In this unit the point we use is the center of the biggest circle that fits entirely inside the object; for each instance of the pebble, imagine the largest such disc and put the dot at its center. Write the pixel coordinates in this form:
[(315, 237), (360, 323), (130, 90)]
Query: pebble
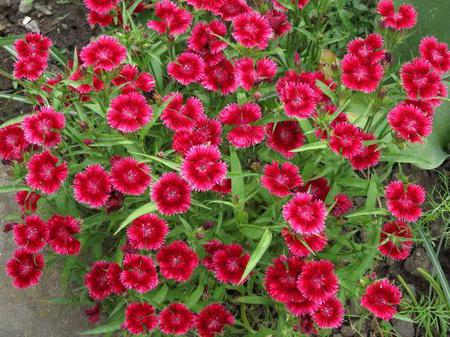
[(33, 26), (43, 9), (26, 20), (25, 6), (404, 328), (347, 331)]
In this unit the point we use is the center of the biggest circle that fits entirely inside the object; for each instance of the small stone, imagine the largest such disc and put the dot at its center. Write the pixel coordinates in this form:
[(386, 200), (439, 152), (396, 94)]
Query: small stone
[(347, 331), (43, 9), (64, 26), (25, 6), (404, 328), (26, 20), (2, 27), (33, 26)]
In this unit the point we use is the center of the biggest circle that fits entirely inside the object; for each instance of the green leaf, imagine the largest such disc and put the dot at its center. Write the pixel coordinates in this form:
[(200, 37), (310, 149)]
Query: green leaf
[(263, 300), (237, 181), (11, 188), (378, 211), (311, 146), (258, 253), (144, 209), (109, 327)]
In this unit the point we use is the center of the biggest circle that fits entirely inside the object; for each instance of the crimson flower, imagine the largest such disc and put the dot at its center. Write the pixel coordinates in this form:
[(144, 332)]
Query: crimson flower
[(132, 81), (103, 20), (44, 127), (300, 100), (346, 140), (12, 142), (395, 240), (250, 72), (61, 231), (139, 273), (204, 37), (410, 123), (44, 173), (211, 247), (303, 245), (382, 298), (187, 68), (360, 74), (173, 20), (32, 234), (281, 180), (252, 30), (147, 232), (25, 268), (279, 22), (129, 176), (101, 6), (176, 319), (177, 261), (319, 188), (140, 318), (220, 76), (369, 156), (105, 53), (436, 53), (301, 305), (284, 137), (420, 80), (330, 314), (370, 49), (404, 202), (228, 10), (97, 282), (182, 117), (212, 320), (92, 186), (229, 263), (404, 18), (246, 136), (34, 44), (30, 67), (27, 201), (343, 204), (318, 281), (171, 194)]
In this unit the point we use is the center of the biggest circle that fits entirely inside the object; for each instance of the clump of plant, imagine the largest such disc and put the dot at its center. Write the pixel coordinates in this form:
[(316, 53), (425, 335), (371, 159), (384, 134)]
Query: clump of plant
[(197, 174)]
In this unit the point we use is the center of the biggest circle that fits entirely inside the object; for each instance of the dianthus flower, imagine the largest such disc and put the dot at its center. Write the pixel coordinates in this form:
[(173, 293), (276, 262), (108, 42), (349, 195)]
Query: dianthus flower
[(319, 188), (34, 44), (103, 20), (318, 281), (27, 201), (177, 261), (105, 53), (12, 142), (405, 18), (182, 117), (281, 180), (25, 268), (130, 176), (97, 282), (229, 263), (330, 314), (129, 112), (44, 173), (382, 298), (171, 194), (343, 204), (299, 100), (44, 127), (132, 80), (30, 67), (250, 72), (228, 10), (147, 232), (240, 114), (246, 135), (32, 234), (204, 37), (369, 156), (139, 273), (420, 80), (410, 123), (404, 202), (173, 20), (212, 320), (303, 245), (369, 49), (346, 140), (140, 318), (211, 247), (252, 30), (279, 22), (101, 6), (92, 186), (209, 5), (436, 53), (61, 231), (284, 137), (395, 240), (187, 68), (113, 275), (93, 313), (176, 319), (223, 187), (220, 76), (360, 74)]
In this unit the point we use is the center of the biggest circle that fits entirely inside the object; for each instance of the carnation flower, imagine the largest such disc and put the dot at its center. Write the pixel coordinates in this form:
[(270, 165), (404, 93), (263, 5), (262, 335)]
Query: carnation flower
[(27, 201), (182, 117), (132, 81), (279, 22), (420, 80), (203, 167), (30, 67), (176, 319), (306, 325), (129, 112), (61, 231), (223, 187), (240, 114), (171, 194), (382, 298), (173, 20), (404, 202), (330, 314), (281, 279), (113, 275), (44, 173), (220, 76), (284, 137), (25, 268), (44, 128), (101, 6), (368, 157), (209, 5), (346, 140), (301, 305), (32, 234), (211, 247), (34, 44), (96, 281), (212, 320), (319, 188), (252, 30), (93, 313), (281, 180), (246, 136), (147, 232), (229, 263), (105, 53), (304, 214), (343, 204), (250, 73), (12, 142), (395, 240), (360, 74), (177, 261), (204, 37), (103, 20), (299, 100), (92, 186), (139, 273), (187, 68), (405, 18), (318, 281), (140, 318), (410, 123), (303, 245), (436, 53), (130, 176), (369, 49)]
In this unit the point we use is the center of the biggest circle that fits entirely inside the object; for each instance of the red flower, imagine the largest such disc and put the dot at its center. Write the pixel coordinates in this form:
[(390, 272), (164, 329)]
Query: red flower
[(114, 202), (223, 187), (203, 167), (44, 127), (132, 81), (346, 140), (130, 176), (92, 186), (93, 313), (436, 53), (147, 232), (284, 137), (211, 247), (420, 80), (101, 6), (404, 202), (360, 74), (278, 22), (252, 30), (129, 112), (381, 298), (246, 136), (281, 278), (61, 231), (228, 10), (12, 142), (187, 68), (25, 268), (34, 44), (27, 201), (97, 282), (176, 319), (177, 261), (369, 155), (44, 174), (212, 320), (281, 180), (139, 273), (182, 117), (330, 314), (240, 114), (30, 67), (303, 245), (343, 205), (204, 37), (318, 281), (229, 263), (299, 100), (172, 19), (171, 194), (103, 20), (410, 123), (394, 240), (405, 18), (105, 53), (113, 275), (304, 214), (306, 325), (32, 234), (301, 306), (208, 5), (369, 49), (140, 318), (220, 76), (319, 188), (250, 73)]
